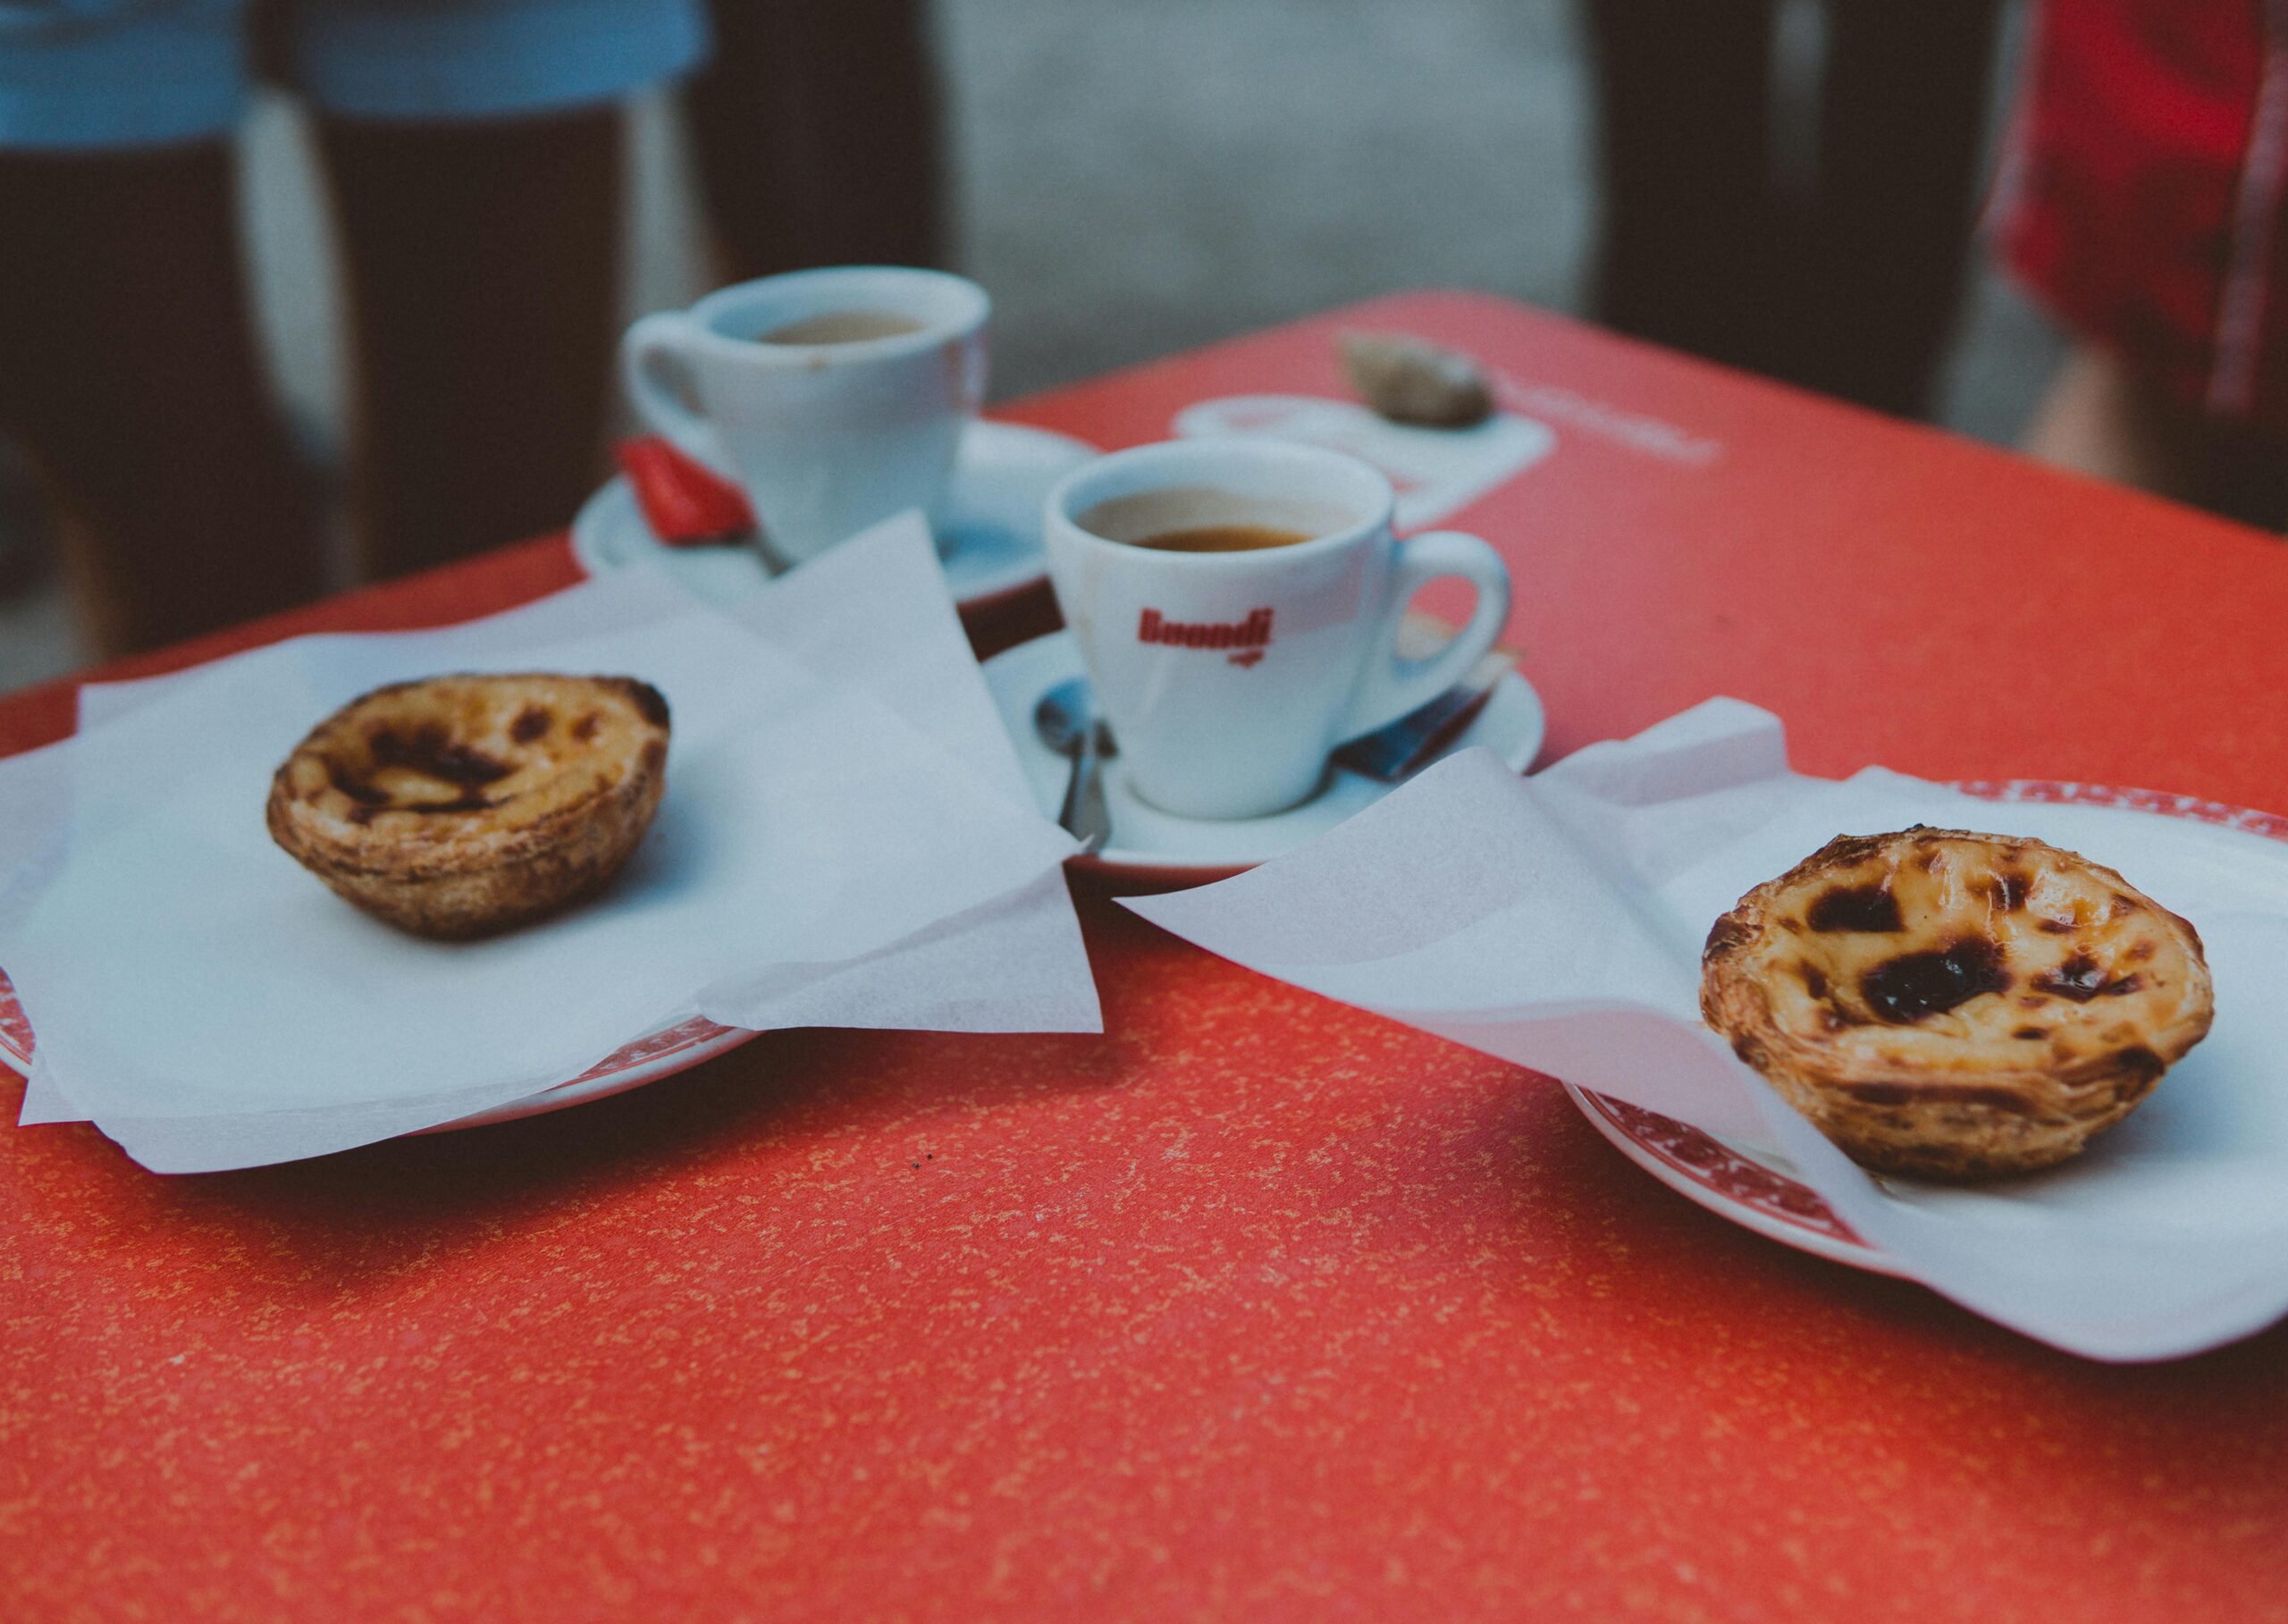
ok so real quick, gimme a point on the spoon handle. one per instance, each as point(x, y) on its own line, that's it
point(1084, 813)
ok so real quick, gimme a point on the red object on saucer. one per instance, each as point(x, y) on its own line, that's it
point(686, 503)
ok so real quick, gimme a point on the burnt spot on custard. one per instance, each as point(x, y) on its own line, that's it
point(1870, 909)
point(585, 727)
point(1915, 986)
point(2141, 1066)
point(648, 702)
point(2058, 927)
point(531, 722)
point(430, 752)
point(2081, 979)
point(2005, 889)
point(1833, 1015)
point(354, 787)
point(1729, 931)
point(2031, 1033)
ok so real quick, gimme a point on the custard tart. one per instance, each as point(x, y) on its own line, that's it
point(1955, 1005)
point(458, 806)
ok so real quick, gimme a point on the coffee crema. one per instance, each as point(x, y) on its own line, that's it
point(840, 327)
point(1221, 538)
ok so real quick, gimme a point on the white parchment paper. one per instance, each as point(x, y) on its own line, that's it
point(1557, 922)
point(845, 840)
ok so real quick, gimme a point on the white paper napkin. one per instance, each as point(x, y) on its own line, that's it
point(1557, 921)
point(819, 859)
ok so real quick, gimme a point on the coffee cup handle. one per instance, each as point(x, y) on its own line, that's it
point(1391, 686)
point(654, 362)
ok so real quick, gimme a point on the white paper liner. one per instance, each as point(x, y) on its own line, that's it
point(818, 859)
point(1557, 921)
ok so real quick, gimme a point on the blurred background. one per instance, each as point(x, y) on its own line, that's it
point(1129, 180)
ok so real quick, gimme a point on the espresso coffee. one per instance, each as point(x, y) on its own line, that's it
point(1205, 518)
point(840, 327)
point(1221, 538)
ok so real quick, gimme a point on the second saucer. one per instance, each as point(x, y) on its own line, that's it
point(1154, 849)
point(991, 530)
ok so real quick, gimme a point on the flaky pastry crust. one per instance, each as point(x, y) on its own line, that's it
point(459, 806)
point(1955, 1005)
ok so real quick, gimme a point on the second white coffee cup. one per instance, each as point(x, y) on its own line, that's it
point(1237, 604)
point(836, 397)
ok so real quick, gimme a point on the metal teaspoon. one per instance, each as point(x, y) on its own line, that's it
point(1066, 721)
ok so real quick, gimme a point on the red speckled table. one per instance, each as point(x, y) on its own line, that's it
point(1256, 1307)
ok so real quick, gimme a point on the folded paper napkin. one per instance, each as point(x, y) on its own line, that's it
point(1557, 922)
point(846, 840)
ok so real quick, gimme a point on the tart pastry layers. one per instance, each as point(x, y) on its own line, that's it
point(1955, 1005)
point(458, 806)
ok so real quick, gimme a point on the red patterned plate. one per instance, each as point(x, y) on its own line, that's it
point(670, 1049)
point(1759, 1194)
point(664, 1053)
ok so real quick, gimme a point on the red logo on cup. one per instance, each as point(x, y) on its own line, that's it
point(1254, 633)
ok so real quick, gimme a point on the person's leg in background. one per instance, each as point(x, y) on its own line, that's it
point(1684, 120)
point(482, 260)
point(2099, 417)
point(1887, 251)
point(2096, 418)
point(129, 365)
point(817, 138)
point(475, 153)
point(23, 522)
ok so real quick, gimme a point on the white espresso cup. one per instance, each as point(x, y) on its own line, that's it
point(851, 413)
point(1229, 676)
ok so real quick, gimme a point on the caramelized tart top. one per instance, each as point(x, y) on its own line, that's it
point(1934, 953)
point(423, 769)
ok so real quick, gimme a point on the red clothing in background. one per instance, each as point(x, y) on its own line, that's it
point(2142, 199)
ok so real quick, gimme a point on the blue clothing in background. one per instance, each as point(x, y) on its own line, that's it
point(88, 75)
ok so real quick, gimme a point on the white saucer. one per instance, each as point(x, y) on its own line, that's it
point(1153, 847)
point(991, 527)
